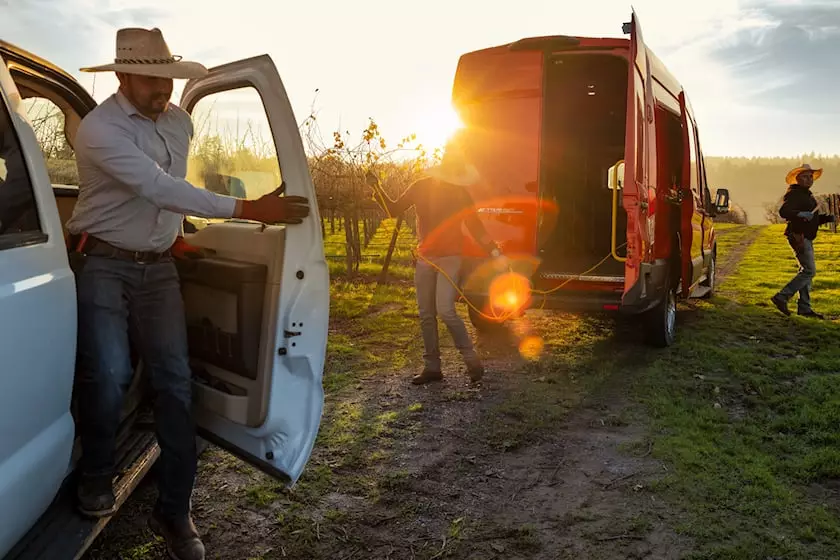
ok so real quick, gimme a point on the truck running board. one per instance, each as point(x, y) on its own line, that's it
point(62, 533)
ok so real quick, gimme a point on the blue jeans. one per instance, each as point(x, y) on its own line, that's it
point(436, 298)
point(116, 298)
point(802, 281)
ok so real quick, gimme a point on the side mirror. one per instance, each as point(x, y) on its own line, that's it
point(616, 176)
point(722, 201)
point(224, 184)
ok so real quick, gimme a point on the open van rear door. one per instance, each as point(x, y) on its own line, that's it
point(257, 311)
point(639, 143)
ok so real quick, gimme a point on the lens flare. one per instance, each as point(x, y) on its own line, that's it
point(509, 292)
point(531, 347)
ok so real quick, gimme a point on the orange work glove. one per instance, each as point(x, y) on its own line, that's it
point(183, 250)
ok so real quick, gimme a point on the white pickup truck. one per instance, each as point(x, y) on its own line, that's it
point(257, 311)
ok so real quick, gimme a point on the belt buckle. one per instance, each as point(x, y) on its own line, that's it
point(139, 257)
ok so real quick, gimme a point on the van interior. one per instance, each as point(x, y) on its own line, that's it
point(583, 128)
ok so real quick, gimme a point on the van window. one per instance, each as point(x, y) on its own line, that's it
point(48, 121)
point(18, 209)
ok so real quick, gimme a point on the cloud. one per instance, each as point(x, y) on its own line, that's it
point(789, 63)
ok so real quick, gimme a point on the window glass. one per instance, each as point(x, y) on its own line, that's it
point(18, 209)
point(48, 122)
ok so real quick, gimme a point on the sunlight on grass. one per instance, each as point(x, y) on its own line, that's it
point(747, 405)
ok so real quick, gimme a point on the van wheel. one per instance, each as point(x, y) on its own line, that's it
point(661, 327)
point(481, 323)
point(711, 277)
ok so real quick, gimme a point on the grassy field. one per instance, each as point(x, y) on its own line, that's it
point(579, 443)
point(746, 409)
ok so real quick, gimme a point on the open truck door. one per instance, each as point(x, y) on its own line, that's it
point(640, 142)
point(257, 311)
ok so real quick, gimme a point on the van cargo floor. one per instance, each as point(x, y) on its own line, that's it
point(62, 533)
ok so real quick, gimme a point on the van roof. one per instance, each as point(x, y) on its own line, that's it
point(559, 43)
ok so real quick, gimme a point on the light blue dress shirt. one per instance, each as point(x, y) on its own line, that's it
point(132, 192)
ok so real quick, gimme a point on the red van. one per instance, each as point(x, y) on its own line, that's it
point(592, 178)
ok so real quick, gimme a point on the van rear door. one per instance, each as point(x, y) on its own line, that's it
point(498, 96)
point(639, 150)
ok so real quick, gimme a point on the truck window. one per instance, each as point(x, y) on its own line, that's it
point(49, 125)
point(18, 209)
point(232, 150)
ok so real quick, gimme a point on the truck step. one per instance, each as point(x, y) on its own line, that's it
point(62, 533)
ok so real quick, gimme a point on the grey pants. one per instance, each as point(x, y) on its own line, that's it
point(436, 298)
point(802, 281)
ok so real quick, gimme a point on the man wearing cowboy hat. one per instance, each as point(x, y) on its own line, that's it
point(799, 208)
point(442, 205)
point(131, 152)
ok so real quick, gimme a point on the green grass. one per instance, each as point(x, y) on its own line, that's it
point(746, 409)
point(373, 256)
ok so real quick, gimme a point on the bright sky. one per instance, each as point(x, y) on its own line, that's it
point(762, 76)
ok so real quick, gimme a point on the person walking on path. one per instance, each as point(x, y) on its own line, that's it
point(799, 209)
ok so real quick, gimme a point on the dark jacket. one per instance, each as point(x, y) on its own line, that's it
point(799, 199)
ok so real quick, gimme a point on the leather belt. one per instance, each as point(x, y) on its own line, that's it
point(98, 248)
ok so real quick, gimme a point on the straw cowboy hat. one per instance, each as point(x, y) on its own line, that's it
point(455, 169)
point(144, 52)
point(794, 173)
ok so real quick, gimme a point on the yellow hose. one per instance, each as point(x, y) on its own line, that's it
point(504, 317)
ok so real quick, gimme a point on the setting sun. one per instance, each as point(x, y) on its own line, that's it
point(436, 125)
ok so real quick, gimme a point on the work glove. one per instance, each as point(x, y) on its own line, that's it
point(275, 209)
point(808, 216)
point(182, 250)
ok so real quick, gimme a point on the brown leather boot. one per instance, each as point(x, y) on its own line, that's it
point(95, 494)
point(426, 376)
point(181, 536)
point(475, 371)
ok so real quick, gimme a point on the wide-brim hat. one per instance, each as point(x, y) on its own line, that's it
point(455, 167)
point(464, 175)
point(144, 52)
point(790, 178)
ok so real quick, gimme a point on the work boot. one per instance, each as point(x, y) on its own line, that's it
point(426, 376)
point(812, 314)
point(781, 304)
point(96, 495)
point(475, 371)
point(180, 534)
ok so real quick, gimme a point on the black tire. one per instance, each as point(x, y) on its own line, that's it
point(661, 321)
point(711, 277)
point(481, 323)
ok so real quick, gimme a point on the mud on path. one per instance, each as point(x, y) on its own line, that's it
point(546, 458)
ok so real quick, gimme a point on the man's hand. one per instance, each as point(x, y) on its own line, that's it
point(275, 209)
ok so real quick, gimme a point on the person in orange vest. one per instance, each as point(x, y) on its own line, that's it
point(442, 204)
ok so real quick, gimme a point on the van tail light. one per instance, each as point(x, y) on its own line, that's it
point(611, 307)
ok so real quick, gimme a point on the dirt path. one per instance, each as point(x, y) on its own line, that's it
point(736, 255)
point(546, 458)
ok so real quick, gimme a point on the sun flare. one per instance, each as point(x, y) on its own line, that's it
point(437, 125)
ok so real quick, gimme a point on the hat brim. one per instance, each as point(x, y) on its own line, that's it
point(181, 70)
point(468, 178)
point(791, 176)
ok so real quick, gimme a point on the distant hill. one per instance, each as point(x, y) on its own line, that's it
point(755, 182)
